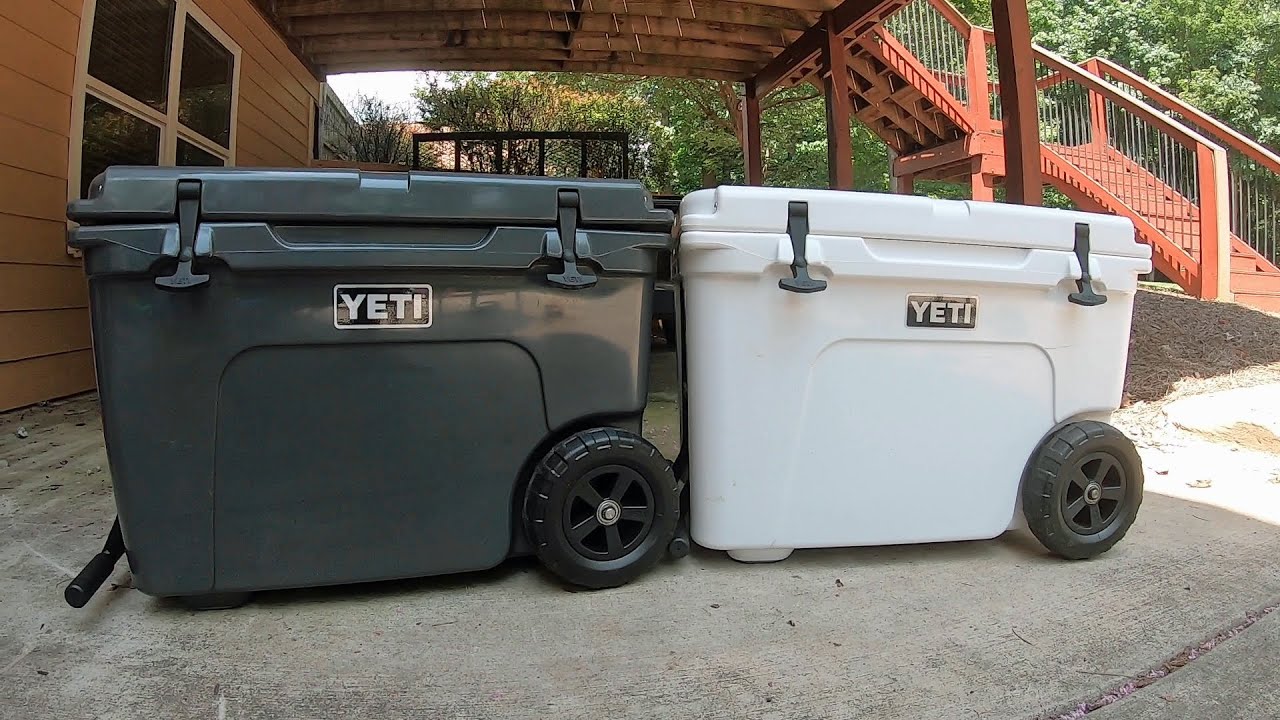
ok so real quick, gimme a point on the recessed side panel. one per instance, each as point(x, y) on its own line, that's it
point(370, 461)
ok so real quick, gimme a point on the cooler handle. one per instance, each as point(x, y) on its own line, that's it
point(798, 230)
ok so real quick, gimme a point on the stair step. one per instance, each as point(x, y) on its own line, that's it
point(1266, 303)
point(1243, 263)
point(1255, 282)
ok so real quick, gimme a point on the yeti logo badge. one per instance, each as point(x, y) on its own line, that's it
point(941, 311)
point(364, 307)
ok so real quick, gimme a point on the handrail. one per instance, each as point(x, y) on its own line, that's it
point(1128, 102)
point(952, 16)
point(1233, 138)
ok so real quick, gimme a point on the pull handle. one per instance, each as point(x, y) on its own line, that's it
point(1085, 295)
point(97, 570)
point(188, 224)
point(798, 229)
point(563, 244)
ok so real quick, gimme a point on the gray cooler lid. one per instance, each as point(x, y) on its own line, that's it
point(325, 196)
point(263, 220)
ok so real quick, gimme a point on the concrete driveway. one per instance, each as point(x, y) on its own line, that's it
point(982, 630)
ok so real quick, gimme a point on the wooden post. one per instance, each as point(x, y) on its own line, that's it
point(900, 184)
point(1215, 226)
point(835, 84)
point(979, 80)
point(1018, 101)
point(978, 182)
point(751, 152)
point(1097, 110)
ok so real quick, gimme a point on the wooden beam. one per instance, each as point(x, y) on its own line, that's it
point(851, 17)
point(511, 22)
point(976, 145)
point(706, 11)
point(530, 40)
point(517, 58)
point(839, 110)
point(744, 13)
point(1018, 101)
point(381, 62)
point(751, 143)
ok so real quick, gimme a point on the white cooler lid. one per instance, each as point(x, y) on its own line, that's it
point(904, 217)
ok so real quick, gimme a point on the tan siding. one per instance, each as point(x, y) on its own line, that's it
point(43, 332)
point(29, 381)
point(35, 149)
point(43, 294)
point(293, 145)
point(42, 287)
point(33, 56)
point(32, 102)
point(52, 22)
point(30, 194)
point(254, 145)
point(29, 240)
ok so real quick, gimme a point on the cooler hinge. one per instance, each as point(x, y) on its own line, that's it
point(188, 225)
point(1085, 294)
point(798, 229)
point(564, 244)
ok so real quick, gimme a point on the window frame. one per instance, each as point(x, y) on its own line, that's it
point(171, 129)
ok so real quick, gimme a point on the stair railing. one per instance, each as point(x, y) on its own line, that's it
point(1253, 170)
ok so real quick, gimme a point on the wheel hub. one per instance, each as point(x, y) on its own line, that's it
point(1093, 493)
point(608, 513)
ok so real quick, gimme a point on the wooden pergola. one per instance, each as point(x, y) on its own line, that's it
point(765, 44)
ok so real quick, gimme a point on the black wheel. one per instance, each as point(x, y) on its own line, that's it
point(1082, 489)
point(601, 508)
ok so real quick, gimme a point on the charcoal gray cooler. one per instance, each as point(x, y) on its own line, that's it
point(313, 377)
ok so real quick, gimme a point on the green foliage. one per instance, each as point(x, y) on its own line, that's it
point(1221, 56)
point(537, 102)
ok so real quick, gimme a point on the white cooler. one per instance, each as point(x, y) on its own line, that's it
point(902, 402)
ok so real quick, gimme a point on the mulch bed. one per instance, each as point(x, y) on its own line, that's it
point(1181, 346)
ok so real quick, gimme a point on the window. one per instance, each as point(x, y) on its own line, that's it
point(160, 88)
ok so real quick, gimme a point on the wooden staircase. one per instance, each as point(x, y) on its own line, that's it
point(1205, 198)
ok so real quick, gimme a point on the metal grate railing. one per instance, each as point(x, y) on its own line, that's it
point(1124, 148)
point(936, 42)
point(1253, 172)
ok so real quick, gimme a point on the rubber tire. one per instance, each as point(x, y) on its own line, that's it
point(1045, 481)
point(556, 474)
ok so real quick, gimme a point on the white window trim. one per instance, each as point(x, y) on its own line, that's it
point(170, 127)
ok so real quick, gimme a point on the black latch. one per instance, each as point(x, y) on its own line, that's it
point(1085, 294)
point(188, 224)
point(798, 229)
point(563, 244)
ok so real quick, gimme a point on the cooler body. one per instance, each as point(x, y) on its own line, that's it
point(353, 397)
point(899, 403)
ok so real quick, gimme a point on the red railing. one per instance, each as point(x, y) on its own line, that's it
point(1105, 148)
point(1253, 170)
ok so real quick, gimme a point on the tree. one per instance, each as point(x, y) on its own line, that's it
point(380, 133)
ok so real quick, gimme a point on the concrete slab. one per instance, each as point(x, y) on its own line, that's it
point(1238, 679)
point(988, 630)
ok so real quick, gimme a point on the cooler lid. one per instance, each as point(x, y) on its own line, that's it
point(905, 217)
point(327, 196)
